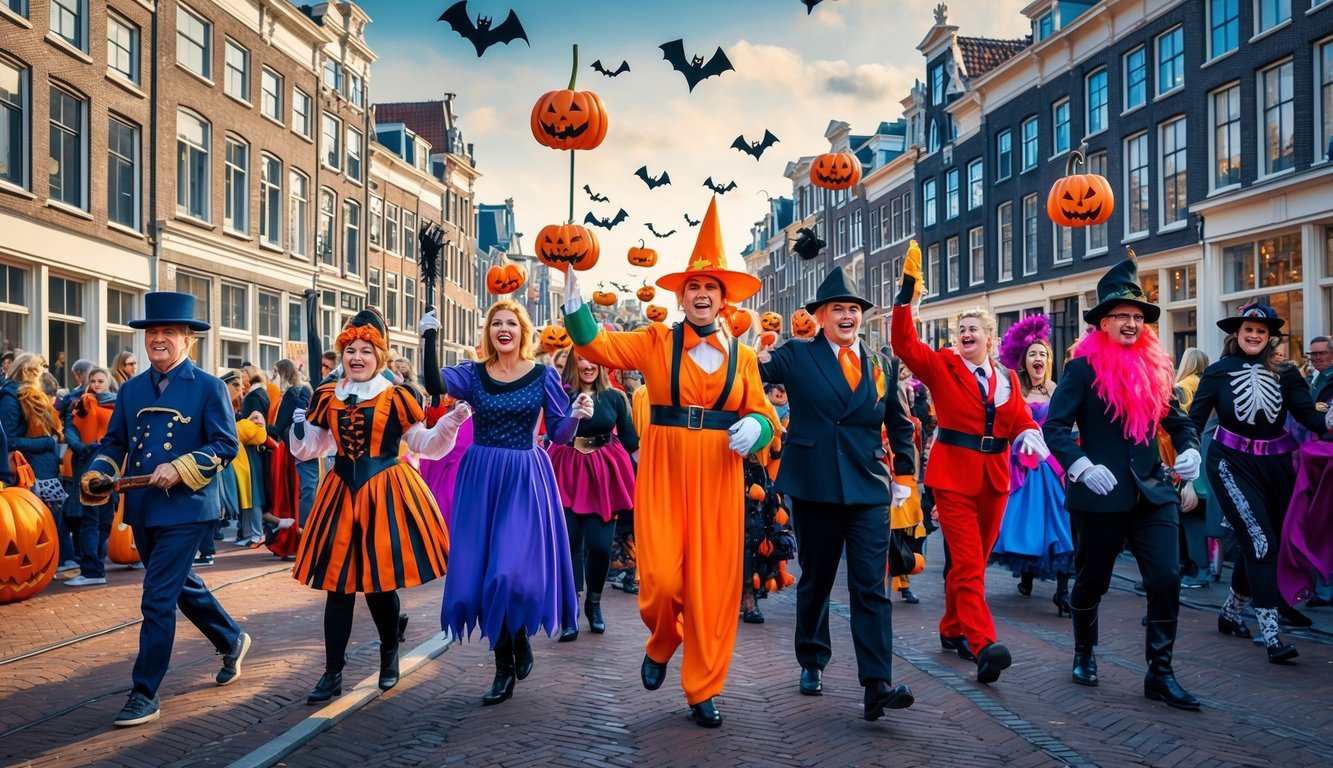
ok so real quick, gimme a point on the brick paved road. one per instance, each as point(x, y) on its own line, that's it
point(584, 706)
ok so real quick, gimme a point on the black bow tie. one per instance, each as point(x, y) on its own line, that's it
point(703, 331)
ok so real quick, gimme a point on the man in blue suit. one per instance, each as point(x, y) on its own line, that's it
point(841, 396)
point(175, 424)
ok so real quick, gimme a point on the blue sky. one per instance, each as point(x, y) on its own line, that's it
point(851, 60)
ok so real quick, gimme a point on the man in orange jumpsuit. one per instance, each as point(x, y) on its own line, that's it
point(707, 411)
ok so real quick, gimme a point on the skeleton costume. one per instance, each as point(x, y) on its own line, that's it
point(1250, 467)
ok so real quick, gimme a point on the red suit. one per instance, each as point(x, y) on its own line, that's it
point(970, 487)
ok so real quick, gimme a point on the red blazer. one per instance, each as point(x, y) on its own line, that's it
point(958, 406)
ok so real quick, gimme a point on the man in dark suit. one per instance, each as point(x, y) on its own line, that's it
point(1117, 389)
point(841, 396)
point(173, 423)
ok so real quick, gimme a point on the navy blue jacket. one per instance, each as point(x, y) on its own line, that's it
point(39, 451)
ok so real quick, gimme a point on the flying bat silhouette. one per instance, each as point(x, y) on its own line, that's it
point(619, 287)
point(720, 189)
point(620, 216)
point(810, 5)
point(624, 67)
point(695, 70)
point(691, 222)
point(649, 225)
point(593, 196)
point(482, 35)
point(653, 183)
point(755, 148)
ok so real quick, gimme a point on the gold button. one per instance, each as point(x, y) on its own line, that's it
point(166, 446)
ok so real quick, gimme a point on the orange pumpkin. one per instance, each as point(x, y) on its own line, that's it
point(569, 119)
point(29, 549)
point(835, 170)
point(554, 338)
point(120, 547)
point(655, 313)
point(604, 298)
point(1080, 200)
point(756, 492)
point(505, 278)
point(563, 245)
point(738, 320)
point(802, 324)
point(642, 256)
point(768, 338)
point(771, 321)
point(646, 293)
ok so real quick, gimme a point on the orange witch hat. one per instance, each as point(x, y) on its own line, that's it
point(709, 260)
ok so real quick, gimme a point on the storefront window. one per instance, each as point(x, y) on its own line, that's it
point(1182, 283)
point(1290, 305)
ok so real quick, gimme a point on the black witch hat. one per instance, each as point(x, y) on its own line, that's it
point(1120, 285)
point(834, 288)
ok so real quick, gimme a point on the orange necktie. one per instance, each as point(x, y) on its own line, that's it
point(851, 366)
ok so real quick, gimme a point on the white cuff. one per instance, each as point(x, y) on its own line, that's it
point(316, 443)
point(433, 443)
point(1077, 469)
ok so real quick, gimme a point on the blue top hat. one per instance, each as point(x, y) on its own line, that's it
point(169, 308)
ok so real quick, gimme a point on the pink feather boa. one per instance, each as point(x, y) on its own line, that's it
point(1137, 382)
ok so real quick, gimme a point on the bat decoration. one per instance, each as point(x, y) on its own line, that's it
point(649, 225)
point(653, 183)
point(810, 5)
point(720, 189)
point(619, 287)
point(593, 196)
point(695, 70)
point(691, 222)
point(755, 148)
point(808, 245)
point(620, 216)
point(624, 67)
point(482, 35)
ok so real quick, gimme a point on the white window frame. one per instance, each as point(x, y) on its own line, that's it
point(1145, 181)
point(1176, 61)
point(1096, 163)
point(236, 187)
point(16, 107)
point(353, 253)
point(355, 144)
point(1213, 27)
point(270, 200)
point(1062, 245)
point(1281, 15)
point(326, 227)
point(1004, 170)
point(1056, 125)
point(270, 94)
point(1030, 145)
point(204, 47)
point(1125, 78)
point(976, 256)
point(229, 290)
point(952, 264)
point(1031, 215)
point(1232, 126)
point(79, 134)
point(236, 79)
point(183, 186)
point(929, 203)
point(1179, 180)
point(952, 193)
point(302, 105)
point(117, 158)
point(976, 184)
point(1005, 253)
point(298, 213)
point(1323, 101)
point(1267, 165)
point(1099, 116)
point(375, 222)
point(391, 232)
point(933, 268)
point(118, 27)
point(330, 141)
point(275, 299)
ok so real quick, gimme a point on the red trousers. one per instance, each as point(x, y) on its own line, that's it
point(971, 523)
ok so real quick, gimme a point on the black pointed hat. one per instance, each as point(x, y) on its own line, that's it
point(834, 288)
point(1256, 311)
point(1120, 285)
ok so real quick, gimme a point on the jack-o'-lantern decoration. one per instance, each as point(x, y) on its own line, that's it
point(120, 547)
point(835, 170)
point(802, 324)
point(771, 321)
point(1080, 200)
point(738, 320)
point(768, 338)
point(29, 549)
point(604, 298)
point(569, 119)
point(555, 338)
point(656, 313)
point(566, 245)
point(642, 256)
point(505, 277)
point(646, 293)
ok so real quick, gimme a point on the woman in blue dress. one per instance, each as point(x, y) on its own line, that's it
point(1035, 540)
point(509, 566)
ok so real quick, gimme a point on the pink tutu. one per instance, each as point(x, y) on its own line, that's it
point(598, 483)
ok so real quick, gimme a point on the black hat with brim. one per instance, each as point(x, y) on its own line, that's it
point(1255, 312)
point(1120, 285)
point(834, 288)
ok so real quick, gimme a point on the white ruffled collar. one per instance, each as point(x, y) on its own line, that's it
point(364, 390)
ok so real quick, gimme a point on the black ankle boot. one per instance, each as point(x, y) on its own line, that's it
point(503, 686)
point(1160, 682)
point(330, 685)
point(522, 655)
point(1025, 584)
point(592, 608)
point(388, 667)
point(1085, 638)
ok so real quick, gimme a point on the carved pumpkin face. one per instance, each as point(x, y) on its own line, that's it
point(738, 320)
point(562, 245)
point(505, 278)
point(646, 293)
point(655, 313)
point(120, 547)
point(604, 298)
point(555, 338)
point(29, 552)
point(642, 256)
point(569, 119)
point(771, 321)
point(835, 170)
point(1080, 200)
point(802, 324)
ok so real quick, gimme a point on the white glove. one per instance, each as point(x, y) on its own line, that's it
point(901, 493)
point(1187, 465)
point(582, 407)
point(428, 322)
point(1328, 419)
point(744, 434)
point(460, 413)
point(1188, 498)
point(1031, 441)
point(286, 522)
point(1098, 478)
point(573, 294)
point(298, 416)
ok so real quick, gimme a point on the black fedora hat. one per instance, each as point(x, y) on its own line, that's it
point(834, 288)
point(1120, 285)
point(168, 308)
point(1257, 312)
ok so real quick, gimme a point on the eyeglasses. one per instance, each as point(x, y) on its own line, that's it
point(1316, 353)
point(1125, 317)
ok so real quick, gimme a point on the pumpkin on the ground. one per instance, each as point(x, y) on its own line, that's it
point(29, 549)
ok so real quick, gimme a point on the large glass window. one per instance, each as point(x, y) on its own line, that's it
point(1029, 143)
point(976, 192)
point(201, 289)
point(68, 134)
point(976, 256)
point(1005, 214)
point(331, 141)
point(937, 84)
point(324, 235)
point(270, 314)
point(391, 231)
point(1060, 118)
point(1136, 78)
point(951, 194)
point(1030, 216)
point(929, 208)
point(1137, 184)
point(64, 326)
point(13, 124)
point(270, 200)
point(194, 42)
point(391, 299)
point(235, 307)
point(375, 221)
point(236, 215)
point(122, 51)
point(1266, 263)
point(1324, 60)
point(374, 288)
point(121, 307)
point(270, 84)
point(301, 112)
point(1223, 27)
point(1175, 192)
point(192, 149)
point(1004, 155)
point(237, 80)
point(933, 268)
point(122, 173)
point(1278, 141)
point(1273, 13)
point(69, 20)
point(409, 235)
point(1063, 239)
point(298, 213)
point(353, 154)
point(1171, 60)
point(14, 310)
point(295, 315)
point(1225, 106)
point(951, 262)
point(1097, 235)
point(352, 239)
point(1098, 112)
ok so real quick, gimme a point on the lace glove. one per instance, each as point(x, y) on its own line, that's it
point(1187, 465)
point(744, 434)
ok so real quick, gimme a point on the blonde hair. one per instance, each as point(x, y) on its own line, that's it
point(26, 369)
point(33, 401)
point(118, 372)
point(525, 333)
point(988, 325)
point(1192, 363)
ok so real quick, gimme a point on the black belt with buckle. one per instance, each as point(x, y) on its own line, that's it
point(981, 443)
point(692, 417)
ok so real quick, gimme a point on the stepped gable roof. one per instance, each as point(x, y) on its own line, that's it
point(982, 54)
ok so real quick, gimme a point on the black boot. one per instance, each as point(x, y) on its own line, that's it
point(330, 685)
point(1085, 638)
point(503, 686)
point(1025, 584)
point(1160, 682)
point(522, 655)
point(388, 666)
point(1061, 596)
point(592, 608)
point(631, 581)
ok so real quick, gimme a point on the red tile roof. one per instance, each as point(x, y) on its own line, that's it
point(982, 54)
point(424, 118)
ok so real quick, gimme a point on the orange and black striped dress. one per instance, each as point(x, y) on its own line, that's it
point(375, 525)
